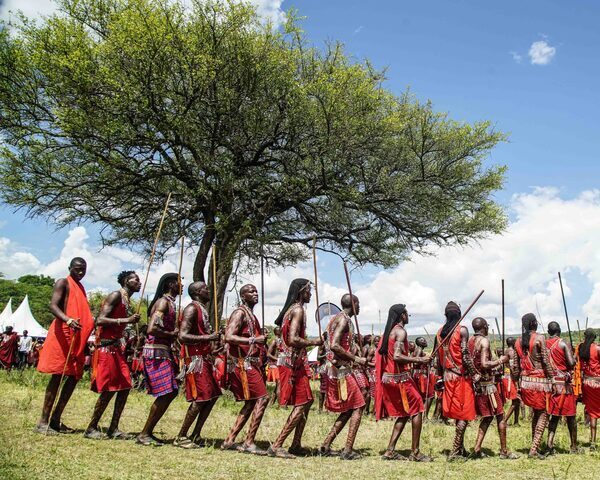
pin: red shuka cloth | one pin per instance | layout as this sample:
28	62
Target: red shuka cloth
535	399
483	401
389	400
422	378
8	349
565	403
509	389
200	386
591	388
294	386
333	400
53	355
458	398
110	372
253	373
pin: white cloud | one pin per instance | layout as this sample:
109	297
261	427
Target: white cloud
14	263
541	53
270	9
516	57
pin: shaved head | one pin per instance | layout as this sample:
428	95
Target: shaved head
554	328
479	324
195	287
347	301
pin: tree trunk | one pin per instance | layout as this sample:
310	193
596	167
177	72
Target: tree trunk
202	255
226	250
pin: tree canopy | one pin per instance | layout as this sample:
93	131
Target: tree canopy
37	287
263	140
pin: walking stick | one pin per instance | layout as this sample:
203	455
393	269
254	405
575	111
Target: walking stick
579	330
353	306
61	380
316	283
162	219
503	320
436	349
214	262
565	306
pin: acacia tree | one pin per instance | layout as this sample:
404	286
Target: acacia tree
263	140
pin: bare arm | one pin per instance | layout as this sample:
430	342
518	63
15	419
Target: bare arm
569	357
110	303
57	302
296	324
234	328
400	356
271	351
466	356
540	341
336	347
190	314
155	324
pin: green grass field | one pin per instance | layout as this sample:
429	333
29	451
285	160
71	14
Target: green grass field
25	455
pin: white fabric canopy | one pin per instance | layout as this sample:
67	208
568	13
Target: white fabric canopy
23	319
312	355
5	315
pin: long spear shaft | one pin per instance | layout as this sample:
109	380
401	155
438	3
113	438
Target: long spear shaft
162	219
565	307
586	323
579	330
179	277
498	330
316	283
215	301
503	318
262	287
436	349
428	336
537	308
352	301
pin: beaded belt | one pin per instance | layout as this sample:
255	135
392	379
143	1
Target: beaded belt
395	377
593	382
541	384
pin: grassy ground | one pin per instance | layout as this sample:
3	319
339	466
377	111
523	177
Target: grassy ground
25	455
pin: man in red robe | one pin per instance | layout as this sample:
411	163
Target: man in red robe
455	366
488	399
537	378
63	353
563	403
196	335
343	393
294	381
9	347
396	394
246	381
110	372
589	356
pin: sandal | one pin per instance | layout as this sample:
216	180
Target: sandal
419	457
536	456
201	442
350	455
279	453
456	457
392	456
509	456
300	451
44	430
119	435
479	455
62	428
252	449
94	434
327	452
230	446
148	441
184	442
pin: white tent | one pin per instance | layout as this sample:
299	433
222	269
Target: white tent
5	315
23	319
312	355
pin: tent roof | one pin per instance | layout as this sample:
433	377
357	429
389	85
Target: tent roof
6	314
23	319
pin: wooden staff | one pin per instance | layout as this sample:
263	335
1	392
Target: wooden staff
537	309
62	376
457	324
353	306
498	330
214	262
503	318
565	306
316	283
428	336
179	316
162	219
586	323
579	330
262	286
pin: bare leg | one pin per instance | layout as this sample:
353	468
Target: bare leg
459	438
552	425
483	427
101	404
502	425
120	402
297	440
593	425
355	419
190	416
157	410
202	416
65	396
428	403
538	433
290	424
396	432
337	427
534	420
49	397
257	414
321	400
240	421
572	426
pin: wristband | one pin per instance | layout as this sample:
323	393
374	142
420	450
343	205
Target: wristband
69	322
251	340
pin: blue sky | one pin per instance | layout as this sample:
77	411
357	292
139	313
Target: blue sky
471	59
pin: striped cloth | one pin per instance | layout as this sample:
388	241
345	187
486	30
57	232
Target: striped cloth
361	379
160	376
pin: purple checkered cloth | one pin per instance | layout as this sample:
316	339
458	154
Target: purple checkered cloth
160	376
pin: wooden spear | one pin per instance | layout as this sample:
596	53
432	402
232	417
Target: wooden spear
314	251
565	307
353	306
215	301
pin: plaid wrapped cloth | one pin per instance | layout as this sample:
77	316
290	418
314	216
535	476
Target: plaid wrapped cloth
160	372
361	379
371	377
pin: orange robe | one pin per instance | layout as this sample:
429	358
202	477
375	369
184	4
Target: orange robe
53	356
